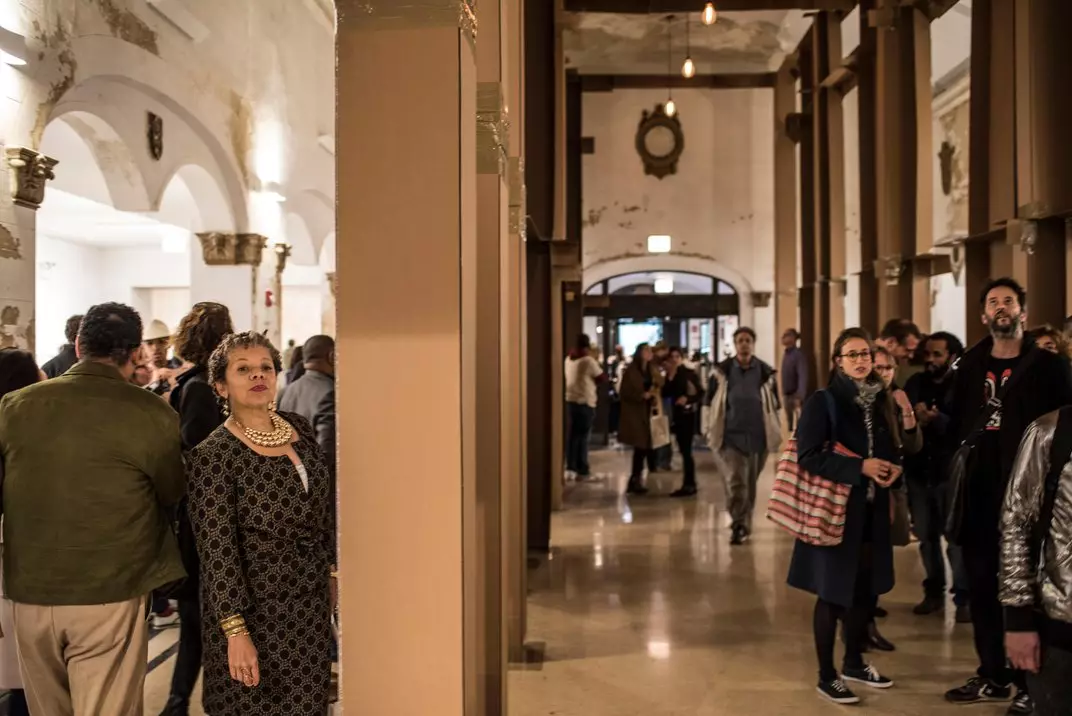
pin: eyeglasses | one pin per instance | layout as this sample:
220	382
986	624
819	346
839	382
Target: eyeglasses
884	368
856	356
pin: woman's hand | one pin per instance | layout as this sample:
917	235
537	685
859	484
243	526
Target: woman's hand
242	658
908	415
878	470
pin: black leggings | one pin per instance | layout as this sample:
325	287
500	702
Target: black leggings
856	618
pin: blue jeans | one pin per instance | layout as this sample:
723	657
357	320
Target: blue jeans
581	417
928	505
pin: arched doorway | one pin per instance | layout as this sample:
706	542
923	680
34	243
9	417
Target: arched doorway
697	312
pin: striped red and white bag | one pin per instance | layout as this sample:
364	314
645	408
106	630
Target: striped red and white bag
809	507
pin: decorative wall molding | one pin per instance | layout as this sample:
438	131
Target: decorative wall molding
892	268
492	129
31	172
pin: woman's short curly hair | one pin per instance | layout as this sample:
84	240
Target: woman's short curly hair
221	357
200	331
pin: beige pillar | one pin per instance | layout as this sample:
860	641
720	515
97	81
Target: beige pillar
514	553
23	176
407	287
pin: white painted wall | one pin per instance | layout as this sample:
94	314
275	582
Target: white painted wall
718	208
68	282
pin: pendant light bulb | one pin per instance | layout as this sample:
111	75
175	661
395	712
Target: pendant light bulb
710	15
688	70
671	108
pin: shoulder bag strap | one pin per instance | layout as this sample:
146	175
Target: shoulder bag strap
995	403
831	410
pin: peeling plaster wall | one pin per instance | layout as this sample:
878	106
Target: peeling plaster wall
118	59
719	205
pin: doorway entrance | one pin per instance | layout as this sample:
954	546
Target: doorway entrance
697	312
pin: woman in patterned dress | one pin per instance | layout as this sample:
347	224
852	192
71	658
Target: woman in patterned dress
260	503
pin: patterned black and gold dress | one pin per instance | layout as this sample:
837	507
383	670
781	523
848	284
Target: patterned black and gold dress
266	548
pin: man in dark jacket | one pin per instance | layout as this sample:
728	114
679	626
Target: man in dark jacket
794	377
92	464
926	476
304	394
1041	384
67	355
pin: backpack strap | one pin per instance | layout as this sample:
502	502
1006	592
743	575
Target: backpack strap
1060	453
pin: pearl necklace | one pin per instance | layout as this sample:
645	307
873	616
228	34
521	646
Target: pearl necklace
279	436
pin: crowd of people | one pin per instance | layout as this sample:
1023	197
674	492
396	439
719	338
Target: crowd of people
970	450
144	469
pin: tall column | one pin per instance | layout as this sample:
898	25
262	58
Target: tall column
829	185
785	204
23	177
539	153
484	606
406	171
233	269
867	93
811	318
515	592
904	164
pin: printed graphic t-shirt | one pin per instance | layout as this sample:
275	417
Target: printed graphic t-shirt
987	484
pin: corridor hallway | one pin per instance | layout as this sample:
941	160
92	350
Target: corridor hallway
646	610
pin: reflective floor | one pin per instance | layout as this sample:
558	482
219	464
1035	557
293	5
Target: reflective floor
644	608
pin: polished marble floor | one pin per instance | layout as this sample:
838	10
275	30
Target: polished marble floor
645	609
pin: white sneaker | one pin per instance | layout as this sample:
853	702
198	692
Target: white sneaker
166	620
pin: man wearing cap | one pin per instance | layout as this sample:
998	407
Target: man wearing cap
155	349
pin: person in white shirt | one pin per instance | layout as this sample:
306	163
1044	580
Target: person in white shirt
583	373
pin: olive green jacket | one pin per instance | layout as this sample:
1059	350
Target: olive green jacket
91	464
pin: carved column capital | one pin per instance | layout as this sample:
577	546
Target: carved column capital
229	249
282	253
30	171
331	282
891	268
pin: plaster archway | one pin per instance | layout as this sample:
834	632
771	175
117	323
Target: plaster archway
605	270
97	163
220	120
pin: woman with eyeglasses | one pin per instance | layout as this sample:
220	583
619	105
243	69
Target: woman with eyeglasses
853	411
910	440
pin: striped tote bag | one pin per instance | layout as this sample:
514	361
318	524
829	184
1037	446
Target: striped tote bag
809	507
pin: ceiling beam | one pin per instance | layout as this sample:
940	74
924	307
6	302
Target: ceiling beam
645	7
934	9
609	83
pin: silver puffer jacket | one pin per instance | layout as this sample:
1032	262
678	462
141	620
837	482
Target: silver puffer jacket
1022	587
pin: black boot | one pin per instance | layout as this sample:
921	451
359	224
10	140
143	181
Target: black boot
876	640
176	706
636	487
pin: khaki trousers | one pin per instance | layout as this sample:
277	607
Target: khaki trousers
83	660
741	476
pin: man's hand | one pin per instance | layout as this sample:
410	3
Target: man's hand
683	400
1024	650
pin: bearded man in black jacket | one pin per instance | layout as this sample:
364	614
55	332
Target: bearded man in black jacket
1041	384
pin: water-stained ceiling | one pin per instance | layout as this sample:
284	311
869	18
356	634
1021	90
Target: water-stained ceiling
612	43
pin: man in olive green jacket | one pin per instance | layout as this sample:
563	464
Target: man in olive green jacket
91	465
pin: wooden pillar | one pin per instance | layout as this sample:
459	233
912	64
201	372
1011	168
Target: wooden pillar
515	590
786	309
539	112
903	171
829	188
408	174
812	317
867	89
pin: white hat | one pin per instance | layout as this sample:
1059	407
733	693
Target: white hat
157	329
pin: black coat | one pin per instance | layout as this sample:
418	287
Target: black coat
1045	387
199	415
830	572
